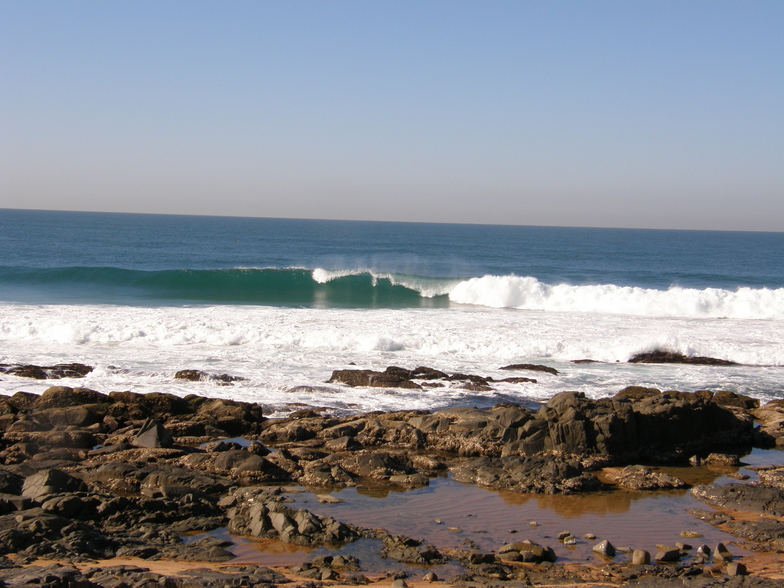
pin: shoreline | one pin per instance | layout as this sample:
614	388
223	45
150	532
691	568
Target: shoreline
93	477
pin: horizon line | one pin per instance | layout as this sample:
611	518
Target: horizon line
543	226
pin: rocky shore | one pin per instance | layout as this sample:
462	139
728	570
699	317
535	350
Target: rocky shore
90	477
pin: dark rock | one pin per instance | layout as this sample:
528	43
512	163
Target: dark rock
407	550
532	367
527	474
426	373
762	531
636	393
750	497
604	548
63	396
668	556
152	434
200	376
644	478
725	398
736	569
660	356
518	380
50	481
721	554
55	372
10	483
371	379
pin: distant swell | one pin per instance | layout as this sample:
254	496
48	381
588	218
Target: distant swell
367	289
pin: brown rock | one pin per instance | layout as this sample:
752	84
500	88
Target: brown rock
532	367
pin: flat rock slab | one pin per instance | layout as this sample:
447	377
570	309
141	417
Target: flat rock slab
751	497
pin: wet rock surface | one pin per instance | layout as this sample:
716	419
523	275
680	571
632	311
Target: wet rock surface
660	356
52	372
89	476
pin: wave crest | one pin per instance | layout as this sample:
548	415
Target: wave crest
527	293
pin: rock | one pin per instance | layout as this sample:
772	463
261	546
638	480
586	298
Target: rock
636	393
534	475
721	554
399	583
723	459
328	499
660	356
200	376
771	418
751	497
252	515
736	569
644	478
724	398
63	396
55	372
640	557
604	548
531	367
152	434
668	556
407	550
528	552
430	577
371	379
50	481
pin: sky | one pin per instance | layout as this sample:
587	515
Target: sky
665	114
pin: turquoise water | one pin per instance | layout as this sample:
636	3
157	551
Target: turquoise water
157	259
282	303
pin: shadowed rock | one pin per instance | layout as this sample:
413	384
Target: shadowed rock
152	434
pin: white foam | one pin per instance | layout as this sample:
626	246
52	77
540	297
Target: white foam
528	293
280	348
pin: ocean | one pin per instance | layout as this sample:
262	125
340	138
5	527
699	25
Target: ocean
282	303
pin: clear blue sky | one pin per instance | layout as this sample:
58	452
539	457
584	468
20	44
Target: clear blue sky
631	114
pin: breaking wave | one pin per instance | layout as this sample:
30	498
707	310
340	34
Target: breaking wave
362	288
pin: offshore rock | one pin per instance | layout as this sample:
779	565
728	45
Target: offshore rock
54	372
531	367
660	356
372	379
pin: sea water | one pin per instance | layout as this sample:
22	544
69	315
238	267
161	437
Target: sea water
284	302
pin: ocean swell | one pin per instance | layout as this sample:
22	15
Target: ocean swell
364	288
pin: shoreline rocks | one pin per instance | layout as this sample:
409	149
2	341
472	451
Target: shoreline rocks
88	475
